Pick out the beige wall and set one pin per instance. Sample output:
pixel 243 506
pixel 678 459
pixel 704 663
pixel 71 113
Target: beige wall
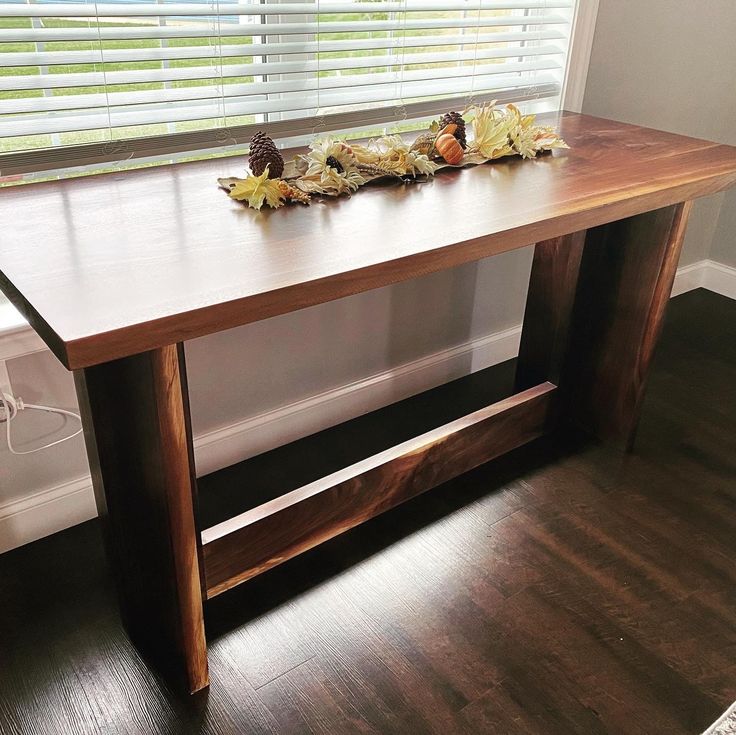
pixel 671 64
pixel 247 371
pixel 723 248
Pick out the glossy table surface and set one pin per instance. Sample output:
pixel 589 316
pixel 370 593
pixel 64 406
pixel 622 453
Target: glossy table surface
pixel 112 265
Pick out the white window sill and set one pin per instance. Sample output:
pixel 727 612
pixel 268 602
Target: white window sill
pixel 16 336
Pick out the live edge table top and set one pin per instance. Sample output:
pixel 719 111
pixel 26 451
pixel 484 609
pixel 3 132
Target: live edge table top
pixel 113 265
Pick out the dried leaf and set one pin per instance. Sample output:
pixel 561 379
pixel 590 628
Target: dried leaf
pixel 255 190
pixel 491 129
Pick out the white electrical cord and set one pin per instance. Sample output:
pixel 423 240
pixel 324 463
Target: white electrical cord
pixel 13 405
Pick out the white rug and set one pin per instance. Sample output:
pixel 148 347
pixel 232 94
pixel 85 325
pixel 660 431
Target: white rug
pixel 726 724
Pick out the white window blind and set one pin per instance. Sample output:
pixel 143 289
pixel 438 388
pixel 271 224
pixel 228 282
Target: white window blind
pixel 84 82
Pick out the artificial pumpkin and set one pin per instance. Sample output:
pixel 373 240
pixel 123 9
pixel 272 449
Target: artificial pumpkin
pixel 448 146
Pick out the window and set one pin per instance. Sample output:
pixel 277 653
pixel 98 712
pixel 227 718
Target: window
pixel 85 82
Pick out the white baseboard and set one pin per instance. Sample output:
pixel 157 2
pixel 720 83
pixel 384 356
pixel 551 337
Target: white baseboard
pixel 720 278
pixel 66 504
pixel 689 277
pixel 708 274
pixel 46 512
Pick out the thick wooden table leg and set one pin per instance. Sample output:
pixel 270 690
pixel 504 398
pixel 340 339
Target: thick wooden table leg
pixel 136 425
pixel 625 281
pixel 549 305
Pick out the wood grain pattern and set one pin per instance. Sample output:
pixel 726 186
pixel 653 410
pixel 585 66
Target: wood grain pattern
pixel 626 278
pixel 549 305
pixel 138 437
pixel 562 590
pixel 257 540
pixel 112 265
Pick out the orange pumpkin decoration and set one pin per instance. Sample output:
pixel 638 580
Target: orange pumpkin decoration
pixel 449 148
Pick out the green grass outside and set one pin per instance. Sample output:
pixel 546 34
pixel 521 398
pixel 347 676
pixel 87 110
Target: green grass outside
pixel 40 141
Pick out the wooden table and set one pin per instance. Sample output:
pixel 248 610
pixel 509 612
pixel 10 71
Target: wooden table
pixel 114 272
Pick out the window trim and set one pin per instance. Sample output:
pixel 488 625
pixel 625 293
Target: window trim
pixel 578 55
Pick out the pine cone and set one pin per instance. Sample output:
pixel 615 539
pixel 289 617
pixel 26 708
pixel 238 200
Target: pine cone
pixel 263 152
pixel 457 118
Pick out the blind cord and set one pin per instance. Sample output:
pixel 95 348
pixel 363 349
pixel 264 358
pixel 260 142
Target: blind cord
pixel 223 134
pixel 471 95
pixel 400 109
pixel 319 118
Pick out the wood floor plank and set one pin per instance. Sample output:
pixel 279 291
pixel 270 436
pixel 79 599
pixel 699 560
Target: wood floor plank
pixel 653 619
pixel 565 589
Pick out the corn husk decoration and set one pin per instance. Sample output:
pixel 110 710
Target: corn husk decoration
pixel 292 194
pixel 333 167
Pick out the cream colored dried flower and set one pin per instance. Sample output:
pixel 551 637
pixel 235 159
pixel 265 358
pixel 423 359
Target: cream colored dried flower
pixel 527 138
pixel 547 138
pixel 331 166
pixel 421 164
pixel 366 154
pixel 521 132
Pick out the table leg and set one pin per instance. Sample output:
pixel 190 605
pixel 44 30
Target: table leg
pixel 624 283
pixel 138 435
pixel 549 305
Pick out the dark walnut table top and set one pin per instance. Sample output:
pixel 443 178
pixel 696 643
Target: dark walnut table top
pixel 112 265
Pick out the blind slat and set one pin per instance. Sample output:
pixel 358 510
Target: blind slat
pixel 169 53
pixel 213 9
pixel 103 33
pixel 95 79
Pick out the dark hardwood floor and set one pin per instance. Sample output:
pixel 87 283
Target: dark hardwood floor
pixel 566 588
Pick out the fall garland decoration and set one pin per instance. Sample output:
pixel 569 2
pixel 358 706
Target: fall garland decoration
pixel 333 167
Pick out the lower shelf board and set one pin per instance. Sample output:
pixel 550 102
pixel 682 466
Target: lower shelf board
pixel 253 541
